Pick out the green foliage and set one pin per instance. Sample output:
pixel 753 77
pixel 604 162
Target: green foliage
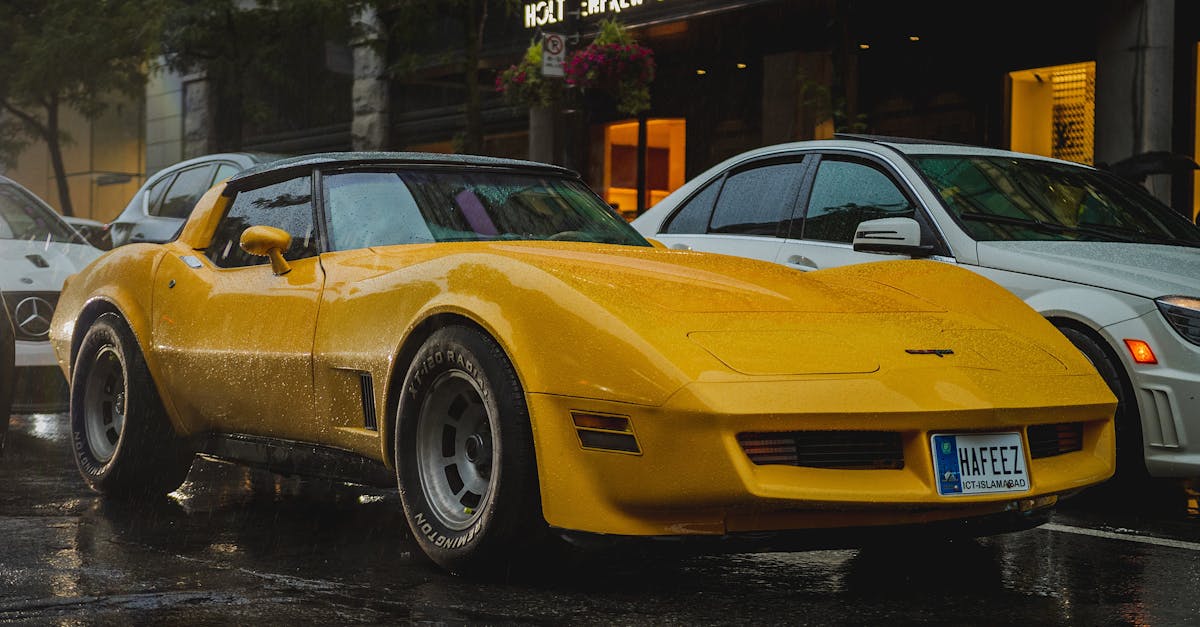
pixel 72 53
pixel 266 61
pixel 524 84
pixel 616 64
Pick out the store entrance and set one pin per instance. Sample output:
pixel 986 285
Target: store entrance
pixel 665 148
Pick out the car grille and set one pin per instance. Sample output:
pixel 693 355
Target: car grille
pixel 1055 439
pixel 845 450
pixel 31 313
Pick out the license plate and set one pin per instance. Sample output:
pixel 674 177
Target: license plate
pixel 979 463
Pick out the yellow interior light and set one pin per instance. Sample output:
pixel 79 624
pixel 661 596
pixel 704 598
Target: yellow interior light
pixel 864 46
pixel 1141 352
pixel 914 38
pixel 741 66
pixel 701 72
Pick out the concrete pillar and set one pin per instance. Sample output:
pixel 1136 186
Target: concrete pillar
pixel 198 128
pixel 1134 83
pixel 541 134
pixel 369 128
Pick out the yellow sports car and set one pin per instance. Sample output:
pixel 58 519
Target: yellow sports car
pixel 492 337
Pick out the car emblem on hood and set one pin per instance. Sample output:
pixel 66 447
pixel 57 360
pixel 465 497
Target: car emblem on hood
pixel 32 316
pixel 940 352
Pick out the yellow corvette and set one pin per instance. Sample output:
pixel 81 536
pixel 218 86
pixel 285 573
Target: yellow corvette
pixel 492 337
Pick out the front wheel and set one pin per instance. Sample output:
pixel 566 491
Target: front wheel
pixel 1131 460
pixel 123 441
pixel 464 454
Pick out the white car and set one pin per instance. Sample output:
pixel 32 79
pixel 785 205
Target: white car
pixel 159 208
pixel 1114 269
pixel 37 251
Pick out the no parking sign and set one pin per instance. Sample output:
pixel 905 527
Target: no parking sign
pixel 554 51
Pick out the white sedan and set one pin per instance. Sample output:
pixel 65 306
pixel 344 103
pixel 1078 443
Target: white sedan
pixel 1116 271
pixel 38 250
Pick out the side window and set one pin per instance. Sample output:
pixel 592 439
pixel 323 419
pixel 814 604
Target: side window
pixel 156 192
pixel 845 193
pixel 693 216
pixel 286 205
pixel 372 209
pixel 224 171
pixel 188 187
pixel 754 201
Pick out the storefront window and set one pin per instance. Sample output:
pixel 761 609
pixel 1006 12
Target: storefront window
pixel 665 145
pixel 1053 111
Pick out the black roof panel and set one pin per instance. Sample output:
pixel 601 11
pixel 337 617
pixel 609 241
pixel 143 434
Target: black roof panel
pixel 272 169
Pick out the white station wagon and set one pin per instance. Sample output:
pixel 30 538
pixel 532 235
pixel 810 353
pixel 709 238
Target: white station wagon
pixel 1115 270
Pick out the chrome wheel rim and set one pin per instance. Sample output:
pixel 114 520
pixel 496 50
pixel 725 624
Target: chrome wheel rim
pixel 104 403
pixel 455 450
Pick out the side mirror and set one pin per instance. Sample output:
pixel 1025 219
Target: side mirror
pixel 268 241
pixel 900 236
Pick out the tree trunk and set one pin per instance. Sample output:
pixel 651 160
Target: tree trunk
pixel 473 134
pixel 56 158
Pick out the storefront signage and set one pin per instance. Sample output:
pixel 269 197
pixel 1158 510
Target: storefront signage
pixel 600 7
pixel 545 13
pixel 549 12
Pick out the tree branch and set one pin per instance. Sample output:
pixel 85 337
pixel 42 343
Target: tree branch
pixel 28 119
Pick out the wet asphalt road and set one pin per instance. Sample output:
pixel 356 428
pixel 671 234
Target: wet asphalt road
pixel 236 546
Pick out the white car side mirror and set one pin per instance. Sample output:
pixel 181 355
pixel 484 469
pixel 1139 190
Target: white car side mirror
pixel 890 235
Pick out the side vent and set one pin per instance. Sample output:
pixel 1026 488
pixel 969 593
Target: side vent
pixel 605 432
pixel 1055 439
pixel 367 388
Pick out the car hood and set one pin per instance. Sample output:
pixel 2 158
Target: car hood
pixel 1148 270
pixel 684 281
pixel 41 266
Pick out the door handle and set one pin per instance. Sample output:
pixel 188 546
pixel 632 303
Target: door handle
pixel 800 262
pixel 681 246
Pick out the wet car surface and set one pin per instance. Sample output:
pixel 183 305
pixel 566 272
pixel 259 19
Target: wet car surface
pixel 236 545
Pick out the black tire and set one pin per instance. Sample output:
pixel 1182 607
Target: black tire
pixel 464 455
pixel 1131 459
pixel 124 443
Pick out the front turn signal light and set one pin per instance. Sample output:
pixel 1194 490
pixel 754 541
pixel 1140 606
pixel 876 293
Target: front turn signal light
pixel 1141 352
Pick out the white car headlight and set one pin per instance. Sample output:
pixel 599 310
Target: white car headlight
pixel 1183 312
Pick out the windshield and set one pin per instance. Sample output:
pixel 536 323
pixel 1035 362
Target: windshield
pixel 1002 198
pixel 22 216
pixel 421 206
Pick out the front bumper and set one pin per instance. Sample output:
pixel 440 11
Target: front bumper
pixel 1167 393
pixel 40 386
pixel 692 477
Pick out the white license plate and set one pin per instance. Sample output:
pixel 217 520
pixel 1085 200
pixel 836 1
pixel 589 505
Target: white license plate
pixel 979 463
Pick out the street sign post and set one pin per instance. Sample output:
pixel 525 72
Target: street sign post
pixel 554 52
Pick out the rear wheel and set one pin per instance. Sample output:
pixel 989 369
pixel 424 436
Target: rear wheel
pixel 464 455
pixel 1131 460
pixel 124 443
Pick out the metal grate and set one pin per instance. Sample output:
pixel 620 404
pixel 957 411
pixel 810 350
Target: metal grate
pixel 367 388
pixel 1055 439
pixel 1074 112
pixel 846 450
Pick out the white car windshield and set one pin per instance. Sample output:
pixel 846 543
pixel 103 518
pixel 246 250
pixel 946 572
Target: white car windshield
pixel 1004 198
pixel 23 217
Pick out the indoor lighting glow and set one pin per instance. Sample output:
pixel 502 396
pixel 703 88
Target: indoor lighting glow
pixel 741 66
pixel 1141 352
pixel 864 46
pixel 701 72
pixel 914 38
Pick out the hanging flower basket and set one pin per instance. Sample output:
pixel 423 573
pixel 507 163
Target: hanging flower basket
pixel 616 64
pixel 523 83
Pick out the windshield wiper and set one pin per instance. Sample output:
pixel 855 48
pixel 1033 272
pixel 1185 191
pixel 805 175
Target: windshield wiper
pixel 1144 238
pixel 1045 227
